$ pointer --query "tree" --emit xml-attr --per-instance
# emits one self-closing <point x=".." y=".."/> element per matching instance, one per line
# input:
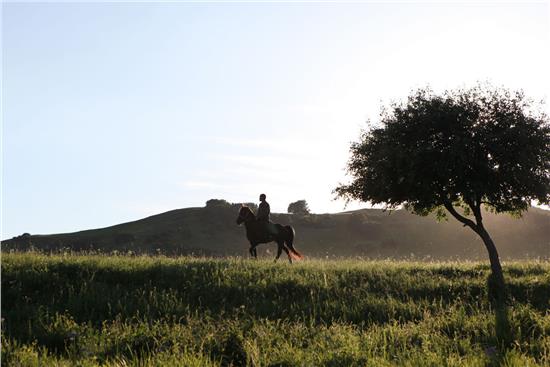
<point x="456" y="153"/>
<point x="217" y="203"/>
<point x="298" y="207"/>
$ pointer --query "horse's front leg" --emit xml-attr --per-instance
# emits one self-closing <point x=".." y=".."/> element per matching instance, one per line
<point x="252" y="250"/>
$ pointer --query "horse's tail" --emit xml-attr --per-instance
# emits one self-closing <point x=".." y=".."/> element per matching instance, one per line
<point x="289" y="241"/>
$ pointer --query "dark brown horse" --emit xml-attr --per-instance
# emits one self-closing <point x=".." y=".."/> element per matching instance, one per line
<point x="257" y="233"/>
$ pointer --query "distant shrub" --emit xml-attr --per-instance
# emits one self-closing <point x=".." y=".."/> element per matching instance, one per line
<point x="216" y="203"/>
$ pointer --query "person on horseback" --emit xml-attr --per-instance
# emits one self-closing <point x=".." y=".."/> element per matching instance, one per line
<point x="263" y="216"/>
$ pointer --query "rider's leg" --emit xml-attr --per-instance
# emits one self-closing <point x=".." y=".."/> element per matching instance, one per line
<point x="271" y="228"/>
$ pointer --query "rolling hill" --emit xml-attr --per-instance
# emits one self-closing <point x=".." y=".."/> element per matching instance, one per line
<point x="373" y="233"/>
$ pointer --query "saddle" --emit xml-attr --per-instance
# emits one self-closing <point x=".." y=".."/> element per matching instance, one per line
<point x="269" y="228"/>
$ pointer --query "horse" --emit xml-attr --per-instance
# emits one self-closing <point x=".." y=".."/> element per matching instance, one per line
<point x="257" y="233"/>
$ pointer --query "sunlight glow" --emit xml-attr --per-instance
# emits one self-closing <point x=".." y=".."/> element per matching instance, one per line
<point x="118" y="106"/>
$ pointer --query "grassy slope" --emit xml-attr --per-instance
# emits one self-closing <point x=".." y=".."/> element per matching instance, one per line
<point x="130" y="310"/>
<point x="371" y="233"/>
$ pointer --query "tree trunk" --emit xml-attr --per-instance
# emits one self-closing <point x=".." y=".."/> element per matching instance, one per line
<point x="496" y="281"/>
<point x="497" y="287"/>
<point x="497" y="292"/>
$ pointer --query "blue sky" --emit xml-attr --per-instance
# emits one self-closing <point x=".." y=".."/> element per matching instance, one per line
<point x="115" y="111"/>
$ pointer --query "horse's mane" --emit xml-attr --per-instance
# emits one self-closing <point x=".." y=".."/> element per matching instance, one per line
<point x="246" y="207"/>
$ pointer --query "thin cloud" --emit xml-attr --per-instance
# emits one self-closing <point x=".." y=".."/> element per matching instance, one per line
<point x="205" y="185"/>
<point x="280" y="147"/>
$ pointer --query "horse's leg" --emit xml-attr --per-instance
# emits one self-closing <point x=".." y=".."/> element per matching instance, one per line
<point x="252" y="250"/>
<point x="279" y="250"/>
<point x="288" y="254"/>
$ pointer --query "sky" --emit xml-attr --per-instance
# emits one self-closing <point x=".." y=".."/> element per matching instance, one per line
<point x="114" y="111"/>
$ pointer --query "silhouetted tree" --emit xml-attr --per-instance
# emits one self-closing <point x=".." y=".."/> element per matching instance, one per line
<point x="298" y="207"/>
<point x="217" y="203"/>
<point x="460" y="151"/>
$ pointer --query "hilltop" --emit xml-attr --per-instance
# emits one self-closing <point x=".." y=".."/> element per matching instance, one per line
<point x="373" y="233"/>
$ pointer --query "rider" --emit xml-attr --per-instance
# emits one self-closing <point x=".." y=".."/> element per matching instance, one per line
<point x="263" y="215"/>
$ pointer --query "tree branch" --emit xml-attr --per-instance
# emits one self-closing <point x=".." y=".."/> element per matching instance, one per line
<point x="477" y="209"/>
<point x="460" y="218"/>
<point x="477" y="214"/>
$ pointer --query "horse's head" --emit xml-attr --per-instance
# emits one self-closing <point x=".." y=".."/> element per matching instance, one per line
<point x="244" y="214"/>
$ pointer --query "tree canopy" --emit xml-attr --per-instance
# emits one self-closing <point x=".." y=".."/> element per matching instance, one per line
<point x="298" y="207"/>
<point x="468" y="147"/>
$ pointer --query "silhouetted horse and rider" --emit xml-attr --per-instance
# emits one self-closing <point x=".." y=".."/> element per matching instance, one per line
<point x="259" y="229"/>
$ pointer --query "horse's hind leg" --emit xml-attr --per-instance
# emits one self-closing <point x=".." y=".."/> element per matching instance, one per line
<point x="279" y="250"/>
<point x="288" y="254"/>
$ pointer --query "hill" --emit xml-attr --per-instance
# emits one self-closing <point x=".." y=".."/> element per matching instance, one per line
<point x="373" y="233"/>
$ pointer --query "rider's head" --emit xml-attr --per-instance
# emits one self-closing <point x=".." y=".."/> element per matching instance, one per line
<point x="262" y="197"/>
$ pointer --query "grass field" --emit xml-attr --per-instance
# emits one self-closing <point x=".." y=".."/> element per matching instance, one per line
<point x="139" y="311"/>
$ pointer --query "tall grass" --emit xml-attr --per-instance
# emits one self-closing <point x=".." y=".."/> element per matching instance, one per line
<point x="100" y="310"/>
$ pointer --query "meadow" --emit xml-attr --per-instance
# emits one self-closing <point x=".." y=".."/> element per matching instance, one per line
<point x="92" y="310"/>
